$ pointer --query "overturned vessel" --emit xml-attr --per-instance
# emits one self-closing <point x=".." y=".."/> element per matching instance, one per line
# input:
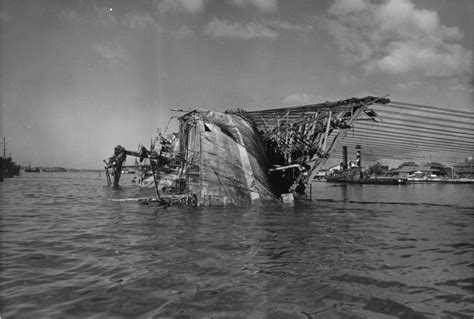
<point x="247" y="157"/>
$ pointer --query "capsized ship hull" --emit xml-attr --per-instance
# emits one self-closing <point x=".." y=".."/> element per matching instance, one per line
<point x="224" y="159"/>
<point x="238" y="157"/>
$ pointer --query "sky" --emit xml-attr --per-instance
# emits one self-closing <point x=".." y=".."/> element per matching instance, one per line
<point x="81" y="76"/>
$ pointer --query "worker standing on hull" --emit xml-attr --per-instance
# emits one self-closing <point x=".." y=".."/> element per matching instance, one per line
<point x="115" y="162"/>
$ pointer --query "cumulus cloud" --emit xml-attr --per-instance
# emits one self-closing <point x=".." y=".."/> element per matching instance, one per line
<point x="190" y="6"/>
<point x="413" y="57"/>
<point x="265" y="6"/>
<point x="222" y="28"/>
<point x="394" y="37"/>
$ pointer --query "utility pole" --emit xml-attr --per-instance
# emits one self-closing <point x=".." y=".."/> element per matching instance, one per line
<point x="4" y="148"/>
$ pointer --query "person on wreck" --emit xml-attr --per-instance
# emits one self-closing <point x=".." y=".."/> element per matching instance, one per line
<point x="120" y="155"/>
<point x="116" y="161"/>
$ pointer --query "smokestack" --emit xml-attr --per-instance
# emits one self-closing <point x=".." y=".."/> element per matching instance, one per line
<point x="358" y="156"/>
<point x="344" y="157"/>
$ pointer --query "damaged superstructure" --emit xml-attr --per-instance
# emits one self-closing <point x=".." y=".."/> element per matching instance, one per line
<point x="248" y="157"/>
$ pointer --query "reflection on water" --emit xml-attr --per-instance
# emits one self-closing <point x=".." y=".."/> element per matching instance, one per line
<point x="355" y="251"/>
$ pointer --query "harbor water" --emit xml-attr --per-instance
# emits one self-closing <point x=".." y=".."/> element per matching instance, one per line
<point x="355" y="251"/>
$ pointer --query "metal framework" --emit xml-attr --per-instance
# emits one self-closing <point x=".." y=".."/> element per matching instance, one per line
<point x="308" y="135"/>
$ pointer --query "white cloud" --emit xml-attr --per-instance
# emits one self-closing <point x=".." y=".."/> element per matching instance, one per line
<point x="265" y="6"/>
<point x="401" y="19"/>
<point x="396" y="38"/>
<point x="413" y="57"/>
<point x="222" y="28"/>
<point x="137" y="21"/>
<point x="190" y="6"/>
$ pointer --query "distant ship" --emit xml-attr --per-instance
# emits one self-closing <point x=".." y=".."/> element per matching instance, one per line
<point x="242" y="157"/>
<point x="8" y="168"/>
<point x="32" y="169"/>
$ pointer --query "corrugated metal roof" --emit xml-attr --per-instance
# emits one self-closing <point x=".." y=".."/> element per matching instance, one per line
<point x="414" y="132"/>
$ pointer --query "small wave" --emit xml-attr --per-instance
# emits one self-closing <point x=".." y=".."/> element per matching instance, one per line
<point x="390" y="307"/>
<point x="368" y="281"/>
<point x="464" y="283"/>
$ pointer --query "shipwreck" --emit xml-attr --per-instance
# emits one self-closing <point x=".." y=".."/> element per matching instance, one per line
<point x="243" y="157"/>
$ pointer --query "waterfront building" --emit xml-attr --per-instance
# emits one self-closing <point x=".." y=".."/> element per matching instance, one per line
<point x="466" y="169"/>
<point x="410" y="170"/>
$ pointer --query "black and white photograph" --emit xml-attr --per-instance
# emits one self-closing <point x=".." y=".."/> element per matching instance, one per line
<point x="275" y="159"/>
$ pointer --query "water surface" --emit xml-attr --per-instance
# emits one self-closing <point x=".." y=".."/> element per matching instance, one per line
<point x="354" y="251"/>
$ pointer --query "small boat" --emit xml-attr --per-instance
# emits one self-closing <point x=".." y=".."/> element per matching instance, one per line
<point x="32" y="169"/>
<point x="423" y="177"/>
